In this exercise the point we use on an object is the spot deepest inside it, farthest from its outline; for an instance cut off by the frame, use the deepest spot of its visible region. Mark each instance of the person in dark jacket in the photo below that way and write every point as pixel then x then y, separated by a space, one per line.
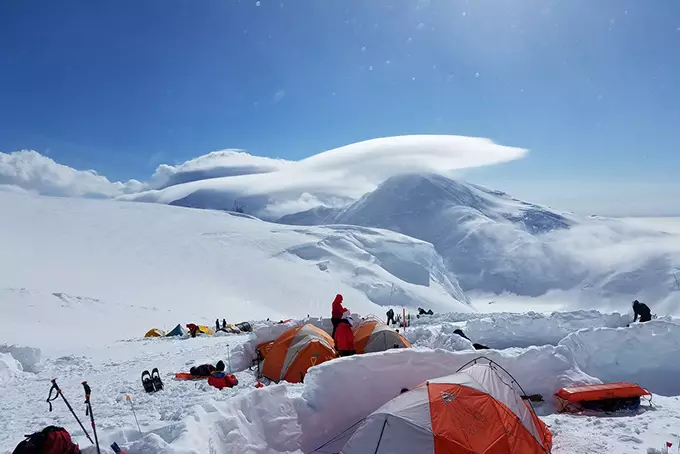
pixel 476 346
pixel 344 336
pixel 390 317
pixel 217 324
pixel 641 310
pixel 337 310
pixel 206 369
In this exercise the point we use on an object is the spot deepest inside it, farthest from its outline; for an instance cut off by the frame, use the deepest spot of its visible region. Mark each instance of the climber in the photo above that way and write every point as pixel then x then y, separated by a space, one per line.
pixel 476 346
pixel 641 310
pixel 390 317
pixel 344 336
pixel 336 312
pixel 205 370
pixel 193 328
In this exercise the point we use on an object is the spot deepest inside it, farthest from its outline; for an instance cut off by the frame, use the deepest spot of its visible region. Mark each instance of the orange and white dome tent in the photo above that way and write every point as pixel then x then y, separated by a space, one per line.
pixel 372 335
pixel 295 351
pixel 475 411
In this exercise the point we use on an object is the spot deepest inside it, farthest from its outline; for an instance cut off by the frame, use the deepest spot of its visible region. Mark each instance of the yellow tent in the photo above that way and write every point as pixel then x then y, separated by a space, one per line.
pixel 205 330
pixel 155 332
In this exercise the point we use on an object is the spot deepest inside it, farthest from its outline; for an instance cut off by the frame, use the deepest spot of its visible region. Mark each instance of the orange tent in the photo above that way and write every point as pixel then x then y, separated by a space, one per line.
pixel 374 336
pixel 475 411
pixel 295 351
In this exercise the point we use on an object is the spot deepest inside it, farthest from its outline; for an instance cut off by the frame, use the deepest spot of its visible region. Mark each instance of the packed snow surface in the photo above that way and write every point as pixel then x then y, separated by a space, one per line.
pixel 192 417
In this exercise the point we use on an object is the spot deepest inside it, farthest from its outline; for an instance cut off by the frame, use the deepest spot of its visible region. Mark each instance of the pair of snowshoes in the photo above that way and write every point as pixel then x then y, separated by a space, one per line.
pixel 152 381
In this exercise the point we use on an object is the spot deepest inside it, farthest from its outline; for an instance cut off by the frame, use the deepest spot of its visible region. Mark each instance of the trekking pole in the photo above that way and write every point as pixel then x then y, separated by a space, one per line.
pixel 135 414
pixel 50 399
pixel 88 411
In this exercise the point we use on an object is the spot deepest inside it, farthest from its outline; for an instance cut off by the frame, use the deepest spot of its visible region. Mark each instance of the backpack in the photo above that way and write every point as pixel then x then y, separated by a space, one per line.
pixel 50 440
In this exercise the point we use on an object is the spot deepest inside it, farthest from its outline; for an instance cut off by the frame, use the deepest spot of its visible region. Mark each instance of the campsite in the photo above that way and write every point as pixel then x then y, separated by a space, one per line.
pixel 337 403
pixel 340 227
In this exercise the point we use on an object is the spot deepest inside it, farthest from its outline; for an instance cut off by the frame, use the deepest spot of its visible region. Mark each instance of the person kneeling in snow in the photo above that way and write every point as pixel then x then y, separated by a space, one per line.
pixel 344 336
pixel 205 370
pixel 641 310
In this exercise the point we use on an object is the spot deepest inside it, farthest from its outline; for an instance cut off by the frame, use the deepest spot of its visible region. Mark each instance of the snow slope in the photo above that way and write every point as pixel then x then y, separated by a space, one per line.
pixel 75 263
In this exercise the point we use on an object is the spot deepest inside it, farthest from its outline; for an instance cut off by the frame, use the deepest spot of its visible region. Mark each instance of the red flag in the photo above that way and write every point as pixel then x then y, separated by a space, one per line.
pixel 669 444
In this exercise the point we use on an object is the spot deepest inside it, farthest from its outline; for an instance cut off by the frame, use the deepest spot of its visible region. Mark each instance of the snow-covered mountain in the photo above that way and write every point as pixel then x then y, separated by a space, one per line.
pixel 495 243
pixel 486 237
pixel 269 188
pixel 144 265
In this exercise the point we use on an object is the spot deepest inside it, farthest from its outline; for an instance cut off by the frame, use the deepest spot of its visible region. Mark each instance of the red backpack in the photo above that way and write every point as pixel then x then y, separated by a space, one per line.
pixel 50 440
pixel 222 380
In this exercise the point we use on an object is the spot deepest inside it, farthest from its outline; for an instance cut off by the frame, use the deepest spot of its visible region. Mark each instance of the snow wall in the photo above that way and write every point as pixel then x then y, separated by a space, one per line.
pixel 299 418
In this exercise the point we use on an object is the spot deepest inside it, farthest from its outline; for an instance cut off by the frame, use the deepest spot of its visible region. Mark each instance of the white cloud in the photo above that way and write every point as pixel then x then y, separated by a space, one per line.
pixel 345 172
pixel 224 163
pixel 278 96
pixel 31 171
pixel 272 187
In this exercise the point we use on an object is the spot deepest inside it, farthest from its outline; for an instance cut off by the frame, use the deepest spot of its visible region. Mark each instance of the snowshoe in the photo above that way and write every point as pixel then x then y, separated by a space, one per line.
pixel 147 382
pixel 156 379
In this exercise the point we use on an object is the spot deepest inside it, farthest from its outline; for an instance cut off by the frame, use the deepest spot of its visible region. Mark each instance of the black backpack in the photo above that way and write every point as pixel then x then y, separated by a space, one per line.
pixel 50 440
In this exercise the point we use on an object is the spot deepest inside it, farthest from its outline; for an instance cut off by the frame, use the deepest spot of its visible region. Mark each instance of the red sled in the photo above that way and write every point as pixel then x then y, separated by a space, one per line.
pixel 225 381
pixel 606 397
pixel 188 376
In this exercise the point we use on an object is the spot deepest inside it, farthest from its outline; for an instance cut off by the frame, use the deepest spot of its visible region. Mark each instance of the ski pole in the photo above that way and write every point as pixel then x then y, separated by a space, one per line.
pixel 134 413
pixel 88 410
pixel 59 393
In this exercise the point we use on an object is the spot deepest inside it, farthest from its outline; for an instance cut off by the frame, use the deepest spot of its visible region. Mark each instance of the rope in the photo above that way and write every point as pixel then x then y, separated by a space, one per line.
pixel 337 437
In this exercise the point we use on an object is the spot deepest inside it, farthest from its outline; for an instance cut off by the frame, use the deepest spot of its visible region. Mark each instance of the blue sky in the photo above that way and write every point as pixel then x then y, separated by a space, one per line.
pixel 592 88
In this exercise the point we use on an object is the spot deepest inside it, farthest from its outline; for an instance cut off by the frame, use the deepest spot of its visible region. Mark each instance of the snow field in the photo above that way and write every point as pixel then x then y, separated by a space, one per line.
pixel 133 266
pixel 190 417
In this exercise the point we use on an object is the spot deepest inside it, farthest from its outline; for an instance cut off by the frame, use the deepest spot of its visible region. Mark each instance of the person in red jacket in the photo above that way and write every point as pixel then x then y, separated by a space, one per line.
pixel 192 329
pixel 344 336
pixel 336 312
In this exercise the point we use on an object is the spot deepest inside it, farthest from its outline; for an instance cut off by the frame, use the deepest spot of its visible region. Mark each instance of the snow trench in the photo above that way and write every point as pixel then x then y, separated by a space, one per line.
pixel 644 353
pixel 289 418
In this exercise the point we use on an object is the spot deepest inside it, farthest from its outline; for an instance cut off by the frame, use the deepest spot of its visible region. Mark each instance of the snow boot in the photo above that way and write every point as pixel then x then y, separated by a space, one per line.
pixel 147 382
pixel 156 379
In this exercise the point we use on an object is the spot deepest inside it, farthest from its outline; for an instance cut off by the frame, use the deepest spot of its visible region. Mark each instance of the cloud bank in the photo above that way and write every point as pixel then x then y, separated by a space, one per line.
pixel 273 187
pixel 31 171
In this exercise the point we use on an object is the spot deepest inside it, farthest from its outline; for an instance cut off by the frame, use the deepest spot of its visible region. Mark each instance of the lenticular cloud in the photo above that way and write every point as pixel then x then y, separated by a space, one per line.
pixel 335 175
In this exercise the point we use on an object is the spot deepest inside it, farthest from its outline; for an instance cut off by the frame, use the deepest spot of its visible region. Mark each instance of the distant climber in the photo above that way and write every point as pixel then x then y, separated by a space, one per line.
pixel 337 310
pixel 476 346
pixel 224 324
pixel 641 310
pixel 205 370
pixel 390 317
pixel 217 324
pixel 193 329
pixel 344 336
